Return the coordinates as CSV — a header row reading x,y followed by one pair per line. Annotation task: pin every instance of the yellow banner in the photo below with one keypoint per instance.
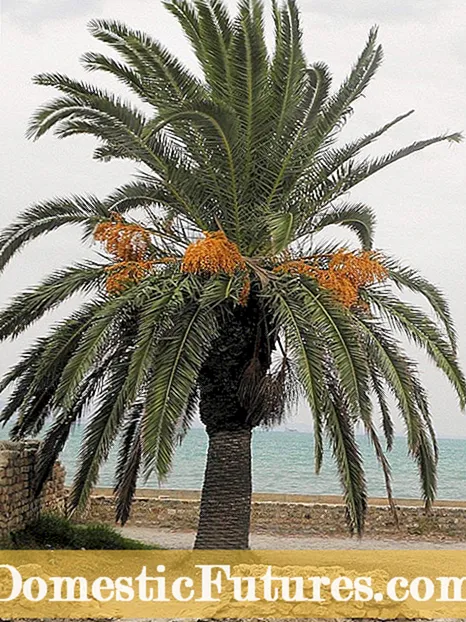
x,y
232,584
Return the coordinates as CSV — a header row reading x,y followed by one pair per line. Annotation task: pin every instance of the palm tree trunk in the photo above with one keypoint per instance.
x,y
226,494
225,512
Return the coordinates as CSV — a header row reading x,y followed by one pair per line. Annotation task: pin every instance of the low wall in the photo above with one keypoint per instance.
x,y
293,518
18,505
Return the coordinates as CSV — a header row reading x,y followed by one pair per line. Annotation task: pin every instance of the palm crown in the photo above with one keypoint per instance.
x,y
239,168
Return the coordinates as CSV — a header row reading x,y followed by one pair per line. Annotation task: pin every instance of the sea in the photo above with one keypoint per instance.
x,y
283,462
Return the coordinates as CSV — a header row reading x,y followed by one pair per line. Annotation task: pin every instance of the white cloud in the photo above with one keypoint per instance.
x,y
28,13
376,10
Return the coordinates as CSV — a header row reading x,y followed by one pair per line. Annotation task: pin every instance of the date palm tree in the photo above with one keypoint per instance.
x,y
212,290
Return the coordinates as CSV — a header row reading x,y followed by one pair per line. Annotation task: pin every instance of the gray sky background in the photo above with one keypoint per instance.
x,y
420,202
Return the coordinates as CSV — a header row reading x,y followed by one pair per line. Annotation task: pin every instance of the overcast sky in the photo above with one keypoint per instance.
x,y
420,202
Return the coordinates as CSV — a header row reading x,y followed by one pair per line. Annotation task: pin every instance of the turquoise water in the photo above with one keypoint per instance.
x,y
283,463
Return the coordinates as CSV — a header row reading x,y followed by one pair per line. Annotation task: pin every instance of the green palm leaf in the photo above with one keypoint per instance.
x,y
103,426
176,366
419,328
32,304
400,374
345,347
307,353
407,277
340,430
357,217
46,217
129,462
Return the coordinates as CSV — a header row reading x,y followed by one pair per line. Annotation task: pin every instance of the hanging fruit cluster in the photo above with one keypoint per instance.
x,y
122,274
216,254
343,273
125,241
245,291
128,243
213,255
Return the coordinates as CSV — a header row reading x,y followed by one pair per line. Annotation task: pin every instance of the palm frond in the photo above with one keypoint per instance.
x,y
103,426
386,469
379,390
166,81
356,216
353,172
288,66
319,174
93,341
28,307
35,401
344,346
406,277
184,423
281,225
175,369
25,362
398,372
306,350
339,105
249,74
129,462
49,216
401,376
216,33
420,329
340,431
57,434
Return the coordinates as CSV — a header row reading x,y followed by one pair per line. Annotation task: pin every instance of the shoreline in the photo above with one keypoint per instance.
x,y
165,494
291,515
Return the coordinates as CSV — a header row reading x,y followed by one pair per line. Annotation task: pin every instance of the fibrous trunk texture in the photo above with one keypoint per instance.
x,y
226,495
225,513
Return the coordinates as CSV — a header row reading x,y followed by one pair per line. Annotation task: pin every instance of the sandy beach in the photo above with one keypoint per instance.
x,y
170,539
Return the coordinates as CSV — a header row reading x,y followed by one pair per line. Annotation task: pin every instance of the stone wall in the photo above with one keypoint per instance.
x,y
18,505
305,519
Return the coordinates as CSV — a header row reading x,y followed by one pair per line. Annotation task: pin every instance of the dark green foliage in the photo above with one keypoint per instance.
x,y
56,532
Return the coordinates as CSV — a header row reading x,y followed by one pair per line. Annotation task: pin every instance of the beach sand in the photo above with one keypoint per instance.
x,y
170,539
